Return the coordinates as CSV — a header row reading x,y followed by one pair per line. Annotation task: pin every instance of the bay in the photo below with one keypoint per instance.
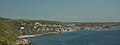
x,y
82,37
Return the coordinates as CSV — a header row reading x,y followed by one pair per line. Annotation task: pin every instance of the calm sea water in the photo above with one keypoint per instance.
x,y
80,38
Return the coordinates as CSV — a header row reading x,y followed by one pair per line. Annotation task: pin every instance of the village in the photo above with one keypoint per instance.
x,y
37,28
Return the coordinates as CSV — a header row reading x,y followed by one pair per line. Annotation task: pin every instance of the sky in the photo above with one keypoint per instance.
x,y
62,10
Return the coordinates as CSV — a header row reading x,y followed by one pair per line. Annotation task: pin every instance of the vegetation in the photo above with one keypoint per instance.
x,y
8,33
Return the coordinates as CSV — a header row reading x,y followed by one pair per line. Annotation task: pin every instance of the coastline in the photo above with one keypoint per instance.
x,y
49,33
56,33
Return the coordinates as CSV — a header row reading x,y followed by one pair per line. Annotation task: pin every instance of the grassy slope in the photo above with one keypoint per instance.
x,y
8,33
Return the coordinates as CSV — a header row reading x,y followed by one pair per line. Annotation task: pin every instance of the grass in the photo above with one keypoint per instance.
x,y
8,33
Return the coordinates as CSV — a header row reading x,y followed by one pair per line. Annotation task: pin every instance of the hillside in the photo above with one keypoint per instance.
x,y
8,33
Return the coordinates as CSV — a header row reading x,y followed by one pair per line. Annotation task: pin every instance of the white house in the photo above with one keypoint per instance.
x,y
22,28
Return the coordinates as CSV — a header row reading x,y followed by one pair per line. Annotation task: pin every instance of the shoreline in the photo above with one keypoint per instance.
x,y
48,33
55,33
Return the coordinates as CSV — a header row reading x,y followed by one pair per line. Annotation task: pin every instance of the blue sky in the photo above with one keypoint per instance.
x,y
62,10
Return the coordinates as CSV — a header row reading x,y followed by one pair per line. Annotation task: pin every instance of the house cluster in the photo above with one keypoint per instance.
x,y
39,27
93,27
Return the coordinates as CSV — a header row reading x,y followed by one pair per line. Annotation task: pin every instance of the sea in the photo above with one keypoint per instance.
x,y
81,37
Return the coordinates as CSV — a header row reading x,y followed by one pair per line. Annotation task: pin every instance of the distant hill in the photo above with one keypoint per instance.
x,y
94,23
4,18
